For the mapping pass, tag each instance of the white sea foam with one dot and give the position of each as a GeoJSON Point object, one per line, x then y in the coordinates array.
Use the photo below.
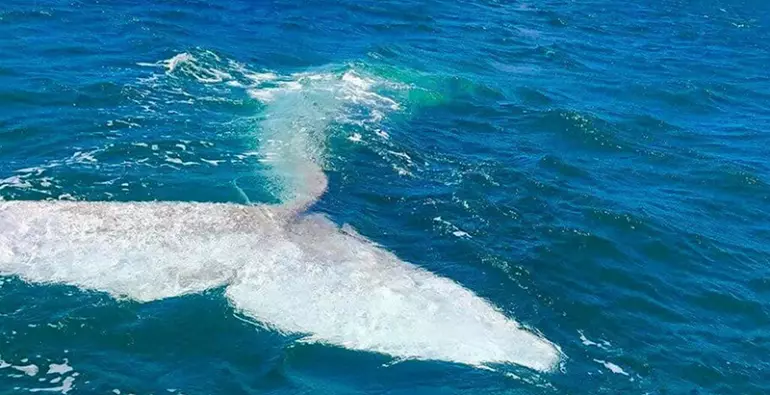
{"type": "Point", "coordinates": [181, 162]}
{"type": "Point", "coordinates": [585, 341]}
{"type": "Point", "coordinates": [612, 367]}
{"type": "Point", "coordinates": [290, 271]}
{"type": "Point", "coordinates": [604, 344]}
{"type": "Point", "coordinates": [65, 387]}
{"type": "Point", "coordinates": [450, 227]}
{"type": "Point", "coordinates": [212, 162]}
{"type": "Point", "coordinates": [59, 368]}
{"type": "Point", "coordinates": [29, 370]}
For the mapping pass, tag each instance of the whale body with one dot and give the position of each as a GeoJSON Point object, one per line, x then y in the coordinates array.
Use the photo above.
{"type": "Point", "coordinates": [288, 269]}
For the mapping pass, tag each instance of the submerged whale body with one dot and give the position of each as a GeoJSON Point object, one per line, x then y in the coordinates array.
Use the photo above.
{"type": "Point", "coordinates": [290, 270]}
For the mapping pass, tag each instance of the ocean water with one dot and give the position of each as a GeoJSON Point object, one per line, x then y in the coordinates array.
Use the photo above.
{"type": "Point", "coordinates": [596, 172]}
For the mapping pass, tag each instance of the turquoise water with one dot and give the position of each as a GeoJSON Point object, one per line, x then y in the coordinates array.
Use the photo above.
{"type": "Point", "coordinates": [597, 171]}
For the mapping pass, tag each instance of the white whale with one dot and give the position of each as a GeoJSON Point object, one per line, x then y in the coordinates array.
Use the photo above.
{"type": "Point", "coordinates": [287, 269]}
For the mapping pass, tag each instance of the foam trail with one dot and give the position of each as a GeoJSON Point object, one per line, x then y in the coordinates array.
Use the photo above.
{"type": "Point", "coordinates": [292, 136]}
{"type": "Point", "coordinates": [299, 111]}
{"type": "Point", "coordinates": [291, 271]}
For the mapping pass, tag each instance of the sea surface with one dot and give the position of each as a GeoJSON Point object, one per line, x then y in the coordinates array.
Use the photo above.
{"type": "Point", "coordinates": [598, 171]}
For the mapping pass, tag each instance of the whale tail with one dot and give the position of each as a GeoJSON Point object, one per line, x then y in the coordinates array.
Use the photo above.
{"type": "Point", "coordinates": [298, 274]}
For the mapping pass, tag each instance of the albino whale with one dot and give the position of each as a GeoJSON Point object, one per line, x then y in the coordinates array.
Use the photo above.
{"type": "Point", "coordinates": [295, 273]}
{"type": "Point", "coordinates": [290, 270]}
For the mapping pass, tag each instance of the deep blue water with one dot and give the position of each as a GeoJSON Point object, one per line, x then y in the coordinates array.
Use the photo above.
{"type": "Point", "coordinates": [598, 170]}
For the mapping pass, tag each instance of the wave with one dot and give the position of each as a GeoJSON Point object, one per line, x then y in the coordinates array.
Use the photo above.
{"type": "Point", "coordinates": [289, 270]}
